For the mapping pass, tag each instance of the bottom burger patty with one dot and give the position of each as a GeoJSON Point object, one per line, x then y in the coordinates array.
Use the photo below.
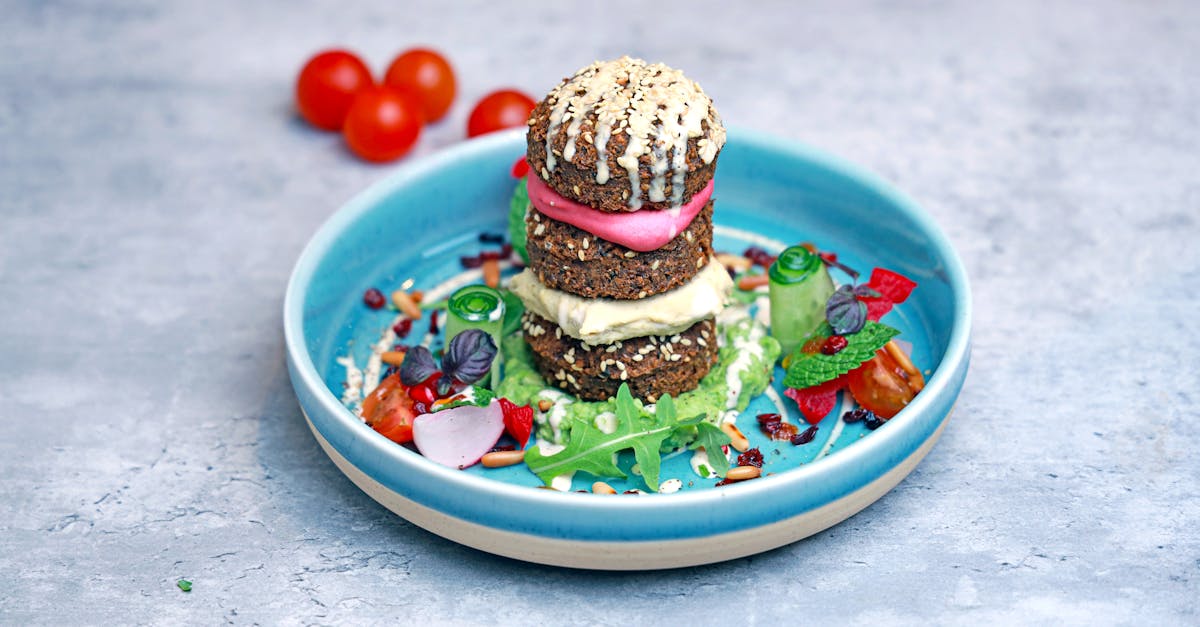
{"type": "Point", "coordinates": [651, 365]}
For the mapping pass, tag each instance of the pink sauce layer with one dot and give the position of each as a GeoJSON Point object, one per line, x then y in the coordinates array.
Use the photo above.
{"type": "Point", "coordinates": [642, 231]}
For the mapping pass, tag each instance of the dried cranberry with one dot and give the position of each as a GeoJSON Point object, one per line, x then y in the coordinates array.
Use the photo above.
{"type": "Point", "coordinates": [759, 256]}
{"type": "Point", "coordinates": [491, 238]}
{"type": "Point", "coordinates": [433, 322]}
{"type": "Point", "coordinates": [506, 250]}
{"type": "Point", "coordinates": [374, 299]}
{"type": "Point", "coordinates": [402, 328]}
{"type": "Point", "coordinates": [752, 457]}
{"type": "Point", "coordinates": [805, 436]}
{"type": "Point", "coordinates": [834, 344]}
{"type": "Point", "coordinates": [873, 422]}
{"type": "Point", "coordinates": [489, 255]}
{"type": "Point", "coordinates": [503, 447]}
{"type": "Point", "coordinates": [857, 414]}
{"type": "Point", "coordinates": [724, 482]}
{"type": "Point", "coordinates": [470, 263]}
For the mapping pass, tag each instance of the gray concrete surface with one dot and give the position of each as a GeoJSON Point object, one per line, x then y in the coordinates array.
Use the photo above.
{"type": "Point", "coordinates": [156, 187]}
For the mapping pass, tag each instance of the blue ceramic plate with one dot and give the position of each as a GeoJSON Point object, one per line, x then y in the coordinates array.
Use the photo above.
{"type": "Point", "coordinates": [411, 228]}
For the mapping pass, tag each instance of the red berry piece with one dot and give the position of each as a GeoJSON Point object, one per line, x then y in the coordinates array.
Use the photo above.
{"type": "Point", "coordinates": [433, 323]}
{"type": "Point", "coordinates": [470, 263]}
{"type": "Point", "coordinates": [834, 345]}
{"type": "Point", "coordinates": [402, 328]}
{"type": "Point", "coordinates": [374, 299]}
{"type": "Point", "coordinates": [752, 457]}
{"type": "Point", "coordinates": [422, 393]}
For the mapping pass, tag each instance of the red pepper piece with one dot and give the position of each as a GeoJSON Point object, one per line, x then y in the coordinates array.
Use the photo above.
{"type": "Point", "coordinates": [518, 421]}
{"type": "Point", "coordinates": [817, 401]}
{"type": "Point", "coordinates": [893, 287]}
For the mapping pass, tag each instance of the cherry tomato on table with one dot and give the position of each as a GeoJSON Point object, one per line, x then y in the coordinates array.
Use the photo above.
{"type": "Point", "coordinates": [383, 123]}
{"type": "Point", "coordinates": [389, 410]}
{"type": "Point", "coordinates": [327, 86]}
{"type": "Point", "coordinates": [428, 75]}
{"type": "Point", "coordinates": [880, 385]}
{"type": "Point", "coordinates": [499, 110]}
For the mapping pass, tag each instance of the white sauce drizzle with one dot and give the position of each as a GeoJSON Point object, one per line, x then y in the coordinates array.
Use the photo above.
{"type": "Point", "coordinates": [562, 483]}
{"type": "Point", "coordinates": [352, 395]}
{"type": "Point", "coordinates": [657, 107]}
{"type": "Point", "coordinates": [701, 464]}
{"type": "Point", "coordinates": [670, 486]}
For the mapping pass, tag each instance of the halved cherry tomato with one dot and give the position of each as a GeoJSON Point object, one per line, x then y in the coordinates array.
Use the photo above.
{"type": "Point", "coordinates": [499, 110]}
{"type": "Point", "coordinates": [429, 75]}
{"type": "Point", "coordinates": [383, 123]}
{"type": "Point", "coordinates": [389, 410]}
{"type": "Point", "coordinates": [327, 86]}
{"type": "Point", "coordinates": [880, 385]}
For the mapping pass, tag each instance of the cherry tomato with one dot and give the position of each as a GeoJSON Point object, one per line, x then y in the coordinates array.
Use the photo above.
{"type": "Point", "coordinates": [327, 86]}
{"type": "Point", "coordinates": [389, 410]}
{"type": "Point", "coordinates": [383, 123]}
{"type": "Point", "coordinates": [499, 110]}
{"type": "Point", "coordinates": [880, 385]}
{"type": "Point", "coordinates": [427, 74]}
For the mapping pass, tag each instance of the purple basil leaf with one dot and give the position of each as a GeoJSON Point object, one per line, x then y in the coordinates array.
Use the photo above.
{"type": "Point", "coordinates": [417, 366]}
{"type": "Point", "coordinates": [469, 356]}
{"type": "Point", "coordinates": [866, 291]}
{"type": "Point", "coordinates": [845, 313]}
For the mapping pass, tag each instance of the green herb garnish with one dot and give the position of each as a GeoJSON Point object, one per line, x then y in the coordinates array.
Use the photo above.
{"type": "Point", "coordinates": [517, 207]}
{"type": "Point", "coordinates": [591, 450]}
{"type": "Point", "coordinates": [184, 585]}
{"type": "Point", "coordinates": [809, 369]}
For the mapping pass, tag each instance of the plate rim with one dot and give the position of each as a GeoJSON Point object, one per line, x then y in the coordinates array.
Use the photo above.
{"type": "Point", "coordinates": [946, 378]}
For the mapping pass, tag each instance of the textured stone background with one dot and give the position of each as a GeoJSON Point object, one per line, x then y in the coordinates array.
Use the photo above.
{"type": "Point", "coordinates": [156, 187]}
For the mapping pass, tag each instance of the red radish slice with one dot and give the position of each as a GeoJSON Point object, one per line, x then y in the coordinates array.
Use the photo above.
{"type": "Point", "coordinates": [458, 437]}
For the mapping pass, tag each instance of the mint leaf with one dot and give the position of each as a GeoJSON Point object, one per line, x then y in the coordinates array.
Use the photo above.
{"type": "Point", "coordinates": [591, 450]}
{"type": "Point", "coordinates": [517, 207]}
{"type": "Point", "coordinates": [809, 369]}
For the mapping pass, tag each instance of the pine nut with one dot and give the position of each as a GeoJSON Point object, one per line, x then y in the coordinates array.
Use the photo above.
{"type": "Point", "coordinates": [405, 303]}
{"type": "Point", "coordinates": [392, 358]}
{"type": "Point", "coordinates": [500, 459]}
{"type": "Point", "coordinates": [737, 439]}
{"type": "Point", "coordinates": [916, 380]}
{"type": "Point", "coordinates": [544, 405]}
{"type": "Point", "coordinates": [491, 273]}
{"type": "Point", "coordinates": [602, 488]}
{"type": "Point", "coordinates": [736, 263]}
{"type": "Point", "coordinates": [751, 281]}
{"type": "Point", "coordinates": [742, 473]}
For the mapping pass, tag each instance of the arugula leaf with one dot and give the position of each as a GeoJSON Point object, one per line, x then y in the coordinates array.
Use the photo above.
{"type": "Point", "coordinates": [809, 369]}
{"type": "Point", "coordinates": [591, 450]}
{"type": "Point", "coordinates": [712, 439]}
{"type": "Point", "coordinates": [513, 310]}
{"type": "Point", "coordinates": [517, 207]}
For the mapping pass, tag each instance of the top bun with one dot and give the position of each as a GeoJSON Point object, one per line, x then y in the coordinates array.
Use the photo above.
{"type": "Point", "coordinates": [626, 135]}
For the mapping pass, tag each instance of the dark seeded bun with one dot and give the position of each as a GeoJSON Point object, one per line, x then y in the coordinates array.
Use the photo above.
{"type": "Point", "coordinates": [572, 165]}
{"type": "Point", "coordinates": [651, 365]}
{"type": "Point", "coordinates": [570, 259]}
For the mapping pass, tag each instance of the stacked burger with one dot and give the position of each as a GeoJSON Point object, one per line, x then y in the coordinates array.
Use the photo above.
{"type": "Point", "coordinates": [621, 285]}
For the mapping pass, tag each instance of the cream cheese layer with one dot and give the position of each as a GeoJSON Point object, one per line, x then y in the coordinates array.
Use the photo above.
{"type": "Point", "coordinates": [605, 320]}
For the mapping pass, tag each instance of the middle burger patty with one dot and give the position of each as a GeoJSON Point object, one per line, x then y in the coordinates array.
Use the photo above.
{"type": "Point", "coordinates": [567, 258]}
